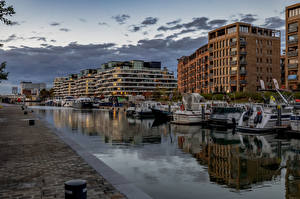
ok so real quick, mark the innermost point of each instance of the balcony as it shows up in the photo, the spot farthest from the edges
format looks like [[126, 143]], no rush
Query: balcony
[[243, 72], [292, 53], [294, 29], [233, 63], [233, 53], [243, 62], [233, 82], [292, 66], [210, 49], [243, 53], [211, 84], [233, 43], [233, 72], [211, 75], [295, 41], [292, 78], [243, 81], [243, 43], [210, 67], [210, 58]]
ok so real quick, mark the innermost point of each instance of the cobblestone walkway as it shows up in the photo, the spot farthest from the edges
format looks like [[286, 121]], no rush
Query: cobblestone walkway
[[35, 163]]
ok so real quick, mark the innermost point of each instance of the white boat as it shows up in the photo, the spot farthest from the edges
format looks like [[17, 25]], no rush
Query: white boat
[[295, 118], [193, 110], [143, 110], [226, 116], [68, 101], [267, 117], [83, 103], [130, 111], [262, 118]]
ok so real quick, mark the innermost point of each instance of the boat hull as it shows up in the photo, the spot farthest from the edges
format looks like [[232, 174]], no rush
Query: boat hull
[[83, 105]]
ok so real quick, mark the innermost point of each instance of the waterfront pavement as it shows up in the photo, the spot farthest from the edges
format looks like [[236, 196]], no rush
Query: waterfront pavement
[[35, 162]]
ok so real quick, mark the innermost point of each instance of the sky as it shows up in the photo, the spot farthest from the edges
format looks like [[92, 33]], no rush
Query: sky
[[55, 38]]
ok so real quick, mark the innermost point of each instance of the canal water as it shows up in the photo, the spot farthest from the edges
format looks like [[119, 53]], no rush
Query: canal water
[[171, 161]]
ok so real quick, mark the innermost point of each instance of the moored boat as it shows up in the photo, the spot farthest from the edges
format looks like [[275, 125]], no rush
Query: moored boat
[[83, 103]]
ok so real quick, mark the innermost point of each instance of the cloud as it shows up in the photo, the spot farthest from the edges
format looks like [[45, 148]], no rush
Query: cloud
[[47, 62], [10, 38], [102, 24], [121, 19], [174, 22], [274, 22], [65, 29], [150, 21], [53, 40], [39, 38], [54, 24], [248, 18], [198, 23], [82, 20], [159, 35]]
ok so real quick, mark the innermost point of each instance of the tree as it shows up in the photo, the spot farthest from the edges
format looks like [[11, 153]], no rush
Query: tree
[[5, 11]]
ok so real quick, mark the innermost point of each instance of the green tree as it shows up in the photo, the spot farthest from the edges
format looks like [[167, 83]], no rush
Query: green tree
[[44, 94], [5, 11]]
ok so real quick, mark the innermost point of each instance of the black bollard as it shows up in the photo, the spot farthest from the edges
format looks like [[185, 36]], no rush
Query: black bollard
[[31, 122], [75, 189], [25, 112]]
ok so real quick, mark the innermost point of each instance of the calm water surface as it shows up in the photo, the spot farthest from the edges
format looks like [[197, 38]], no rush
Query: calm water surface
[[170, 161]]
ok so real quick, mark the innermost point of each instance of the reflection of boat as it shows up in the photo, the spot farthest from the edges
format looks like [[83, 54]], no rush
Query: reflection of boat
[[295, 118], [83, 103], [130, 111], [161, 115]]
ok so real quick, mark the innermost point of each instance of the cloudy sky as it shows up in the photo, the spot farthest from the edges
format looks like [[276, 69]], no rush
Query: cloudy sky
[[58, 37]]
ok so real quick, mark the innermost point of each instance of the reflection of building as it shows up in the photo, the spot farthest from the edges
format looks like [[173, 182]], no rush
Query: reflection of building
[[231, 162], [282, 69], [31, 89], [239, 56], [292, 72]]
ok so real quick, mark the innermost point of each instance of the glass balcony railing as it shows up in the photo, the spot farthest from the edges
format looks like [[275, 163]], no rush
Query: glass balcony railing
[[292, 77], [233, 72], [233, 82], [243, 72], [233, 53], [294, 41], [293, 29], [243, 81], [233, 43], [243, 43], [243, 62], [292, 66], [292, 53], [233, 63], [243, 53]]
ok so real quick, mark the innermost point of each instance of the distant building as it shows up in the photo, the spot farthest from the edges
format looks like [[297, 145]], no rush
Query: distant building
[[117, 78], [14, 90], [31, 89]]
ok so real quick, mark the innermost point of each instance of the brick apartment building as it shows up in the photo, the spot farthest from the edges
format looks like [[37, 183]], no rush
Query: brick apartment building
[[239, 55], [292, 72]]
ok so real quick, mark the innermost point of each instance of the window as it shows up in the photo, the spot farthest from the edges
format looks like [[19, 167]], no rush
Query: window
[[244, 29], [231, 30]]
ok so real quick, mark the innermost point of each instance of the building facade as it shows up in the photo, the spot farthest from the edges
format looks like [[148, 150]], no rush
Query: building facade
[[239, 55], [292, 72], [194, 72], [31, 89], [117, 78]]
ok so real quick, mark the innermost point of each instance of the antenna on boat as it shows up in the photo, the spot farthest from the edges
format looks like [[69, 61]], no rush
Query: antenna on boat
[[277, 89], [262, 84]]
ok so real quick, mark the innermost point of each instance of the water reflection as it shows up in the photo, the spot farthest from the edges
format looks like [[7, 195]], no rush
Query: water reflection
[[189, 161]]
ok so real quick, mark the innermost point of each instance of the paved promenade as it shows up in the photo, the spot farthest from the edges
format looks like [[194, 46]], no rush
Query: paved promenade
[[35, 163]]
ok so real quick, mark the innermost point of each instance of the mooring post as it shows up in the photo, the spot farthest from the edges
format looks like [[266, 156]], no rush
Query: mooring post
[[75, 189]]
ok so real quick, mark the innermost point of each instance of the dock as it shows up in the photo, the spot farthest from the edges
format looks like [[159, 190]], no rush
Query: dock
[[35, 162]]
